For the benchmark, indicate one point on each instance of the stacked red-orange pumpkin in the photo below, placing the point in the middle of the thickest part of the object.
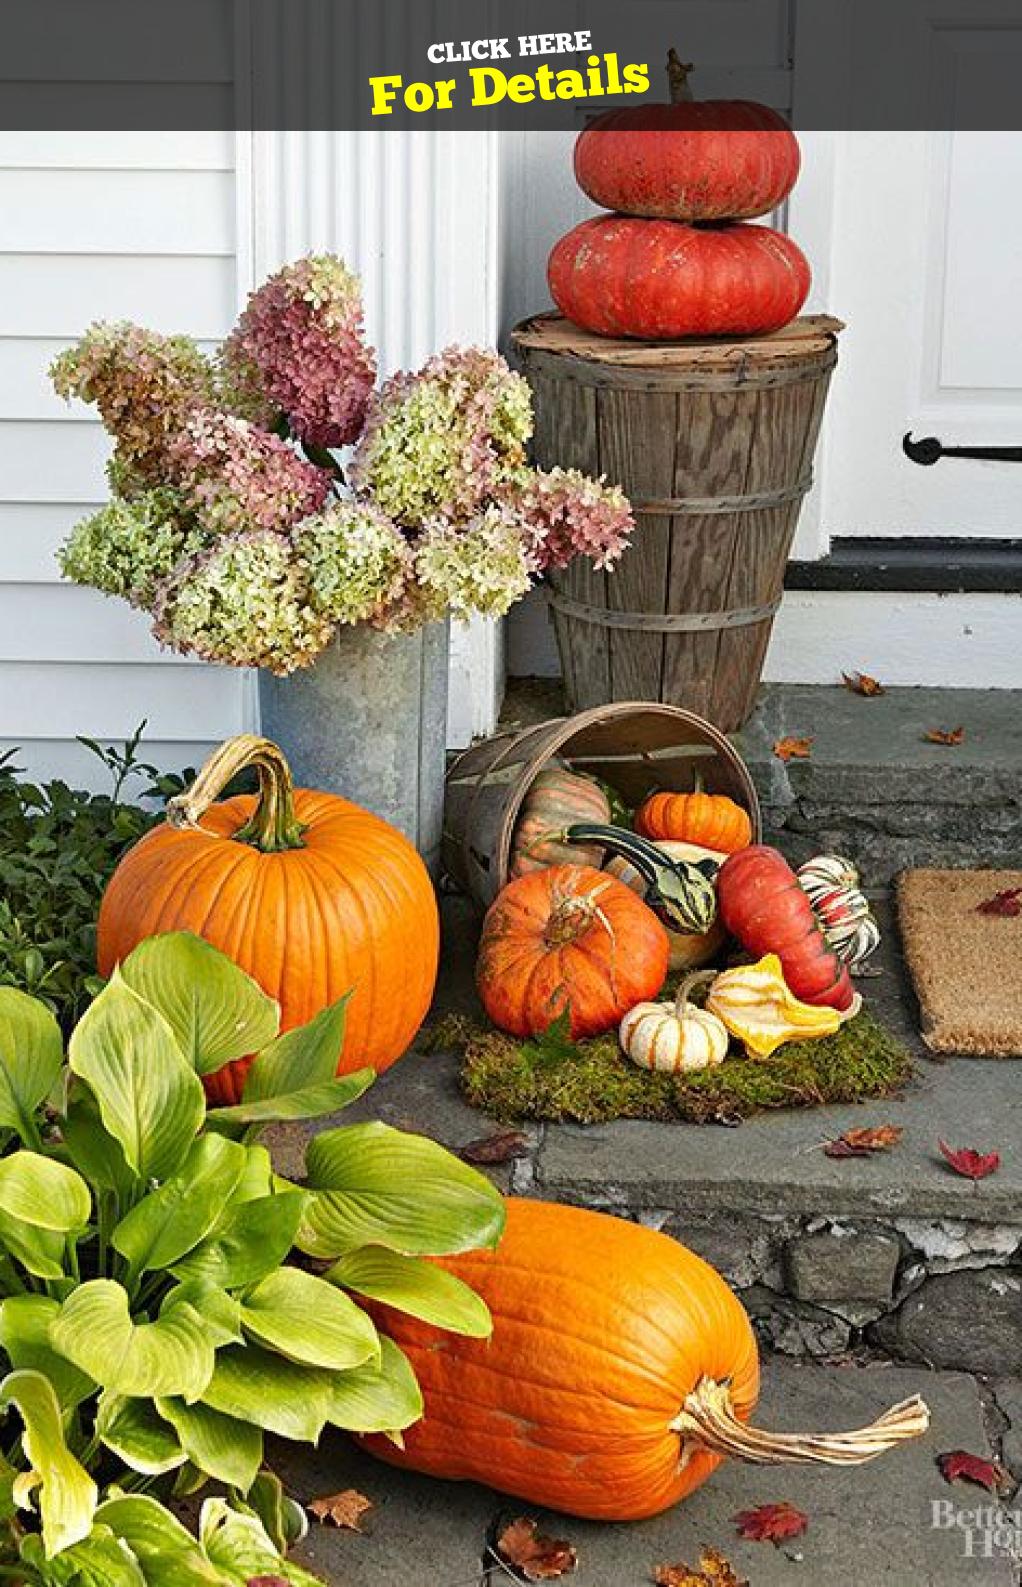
(678, 257)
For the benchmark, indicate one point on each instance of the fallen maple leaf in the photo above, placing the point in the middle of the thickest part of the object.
(862, 683)
(945, 735)
(863, 1142)
(538, 1558)
(771, 1523)
(343, 1509)
(957, 1465)
(714, 1570)
(793, 748)
(965, 1160)
(266, 1581)
(503, 1147)
(1007, 902)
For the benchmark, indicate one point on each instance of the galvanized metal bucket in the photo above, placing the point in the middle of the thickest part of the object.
(368, 720)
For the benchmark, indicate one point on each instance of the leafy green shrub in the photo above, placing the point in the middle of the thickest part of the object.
(58, 849)
(168, 1299)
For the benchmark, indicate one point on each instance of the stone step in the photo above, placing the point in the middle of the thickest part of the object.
(873, 787)
(894, 1523)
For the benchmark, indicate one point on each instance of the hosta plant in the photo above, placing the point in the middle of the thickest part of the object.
(168, 1299)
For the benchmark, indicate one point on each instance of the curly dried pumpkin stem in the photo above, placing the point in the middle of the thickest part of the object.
(273, 825)
(708, 1421)
(689, 983)
(677, 77)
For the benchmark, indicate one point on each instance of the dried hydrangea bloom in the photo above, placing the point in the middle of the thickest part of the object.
(565, 514)
(235, 477)
(355, 559)
(144, 385)
(128, 547)
(299, 349)
(243, 602)
(439, 443)
(479, 567)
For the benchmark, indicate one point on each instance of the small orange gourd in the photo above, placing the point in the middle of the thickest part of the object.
(311, 895)
(714, 820)
(620, 1371)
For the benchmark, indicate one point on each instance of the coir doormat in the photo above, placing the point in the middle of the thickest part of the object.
(962, 934)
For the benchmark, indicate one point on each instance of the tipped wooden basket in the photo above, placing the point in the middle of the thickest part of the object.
(635, 746)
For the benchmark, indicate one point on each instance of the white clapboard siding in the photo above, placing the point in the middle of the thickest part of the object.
(100, 225)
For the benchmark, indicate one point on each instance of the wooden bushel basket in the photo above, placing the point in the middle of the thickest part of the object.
(713, 443)
(635, 746)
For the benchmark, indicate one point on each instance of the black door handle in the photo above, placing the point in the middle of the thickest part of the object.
(930, 450)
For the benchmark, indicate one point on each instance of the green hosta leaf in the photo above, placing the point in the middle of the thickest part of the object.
(259, 1386)
(67, 1494)
(149, 1097)
(298, 1315)
(91, 1147)
(283, 1517)
(171, 1221)
(256, 1176)
(414, 1286)
(216, 1011)
(228, 1449)
(170, 1356)
(25, 1337)
(101, 1560)
(250, 1240)
(379, 1399)
(300, 1058)
(134, 1430)
(220, 1312)
(241, 1547)
(43, 1193)
(374, 1185)
(311, 1102)
(167, 1552)
(31, 1055)
(39, 1250)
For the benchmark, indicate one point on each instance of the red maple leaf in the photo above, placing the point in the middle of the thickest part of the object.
(1007, 902)
(771, 1523)
(957, 1465)
(965, 1160)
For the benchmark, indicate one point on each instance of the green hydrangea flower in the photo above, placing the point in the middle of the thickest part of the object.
(128, 547)
(481, 567)
(355, 560)
(244, 602)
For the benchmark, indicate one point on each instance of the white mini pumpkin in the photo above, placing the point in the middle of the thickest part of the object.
(676, 1038)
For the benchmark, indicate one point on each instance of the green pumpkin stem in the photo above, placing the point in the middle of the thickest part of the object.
(273, 825)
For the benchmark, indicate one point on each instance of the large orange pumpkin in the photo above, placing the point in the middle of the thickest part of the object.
(310, 894)
(620, 1370)
(568, 938)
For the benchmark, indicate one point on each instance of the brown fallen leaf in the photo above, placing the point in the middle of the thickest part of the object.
(793, 748)
(862, 683)
(771, 1523)
(538, 1558)
(266, 1581)
(864, 1142)
(957, 1465)
(965, 1160)
(502, 1147)
(343, 1509)
(1007, 902)
(714, 1570)
(945, 735)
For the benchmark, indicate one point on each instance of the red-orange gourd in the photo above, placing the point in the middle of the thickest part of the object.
(713, 820)
(715, 159)
(621, 1369)
(311, 895)
(568, 938)
(659, 280)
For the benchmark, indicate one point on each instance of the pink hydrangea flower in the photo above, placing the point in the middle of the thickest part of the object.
(565, 514)
(235, 477)
(299, 349)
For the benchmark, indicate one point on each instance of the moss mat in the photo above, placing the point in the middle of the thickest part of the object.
(590, 1082)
